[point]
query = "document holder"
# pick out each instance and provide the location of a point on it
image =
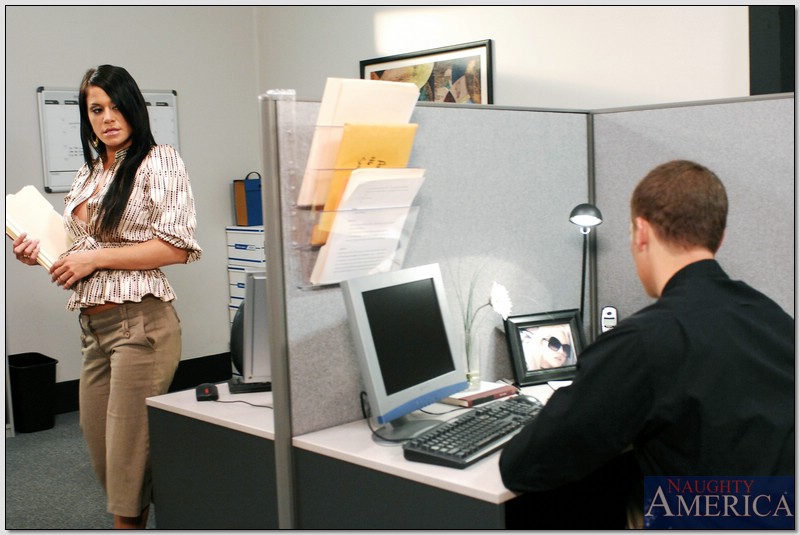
(360, 242)
(312, 190)
(298, 130)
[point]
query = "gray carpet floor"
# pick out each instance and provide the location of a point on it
(50, 483)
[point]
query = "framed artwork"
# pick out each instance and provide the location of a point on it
(544, 346)
(460, 74)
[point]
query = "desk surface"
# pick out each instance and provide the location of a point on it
(353, 442)
(234, 411)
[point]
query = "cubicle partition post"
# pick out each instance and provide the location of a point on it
(594, 311)
(276, 306)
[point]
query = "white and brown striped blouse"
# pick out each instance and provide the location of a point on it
(161, 206)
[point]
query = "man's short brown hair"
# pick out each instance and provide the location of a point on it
(685, 202)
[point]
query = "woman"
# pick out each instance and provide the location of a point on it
(548, 347)
(130, 210)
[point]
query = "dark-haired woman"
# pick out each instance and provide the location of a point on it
(130, 211)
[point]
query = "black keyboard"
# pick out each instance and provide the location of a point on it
(237, 386)
(465, 439)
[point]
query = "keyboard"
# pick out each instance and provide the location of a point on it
(237, 386)
(465, 439)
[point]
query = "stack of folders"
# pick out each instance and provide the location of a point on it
(27, 211)
(357, 180)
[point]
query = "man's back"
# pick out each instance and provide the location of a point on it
(722, 371)
(700, 383)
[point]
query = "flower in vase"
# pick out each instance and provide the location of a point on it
(500, 302)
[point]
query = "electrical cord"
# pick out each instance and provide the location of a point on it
(242, 401)
(366, 412)
(454, 409)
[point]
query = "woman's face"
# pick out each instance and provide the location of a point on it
(107, 121)
(555, 347)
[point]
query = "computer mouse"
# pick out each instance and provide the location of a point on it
(207, 392)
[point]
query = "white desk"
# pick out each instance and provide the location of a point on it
(213, 463)
(242, 417)
(214, 468)
(347, 480)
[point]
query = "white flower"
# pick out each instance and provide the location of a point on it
(500, 301)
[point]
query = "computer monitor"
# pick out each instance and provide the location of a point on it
(406, 346)
(249, 350)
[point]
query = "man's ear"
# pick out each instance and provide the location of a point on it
(641, 233)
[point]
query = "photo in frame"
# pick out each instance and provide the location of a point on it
(544, 346)
(459, 74)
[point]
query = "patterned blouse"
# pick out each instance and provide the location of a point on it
(161, 205)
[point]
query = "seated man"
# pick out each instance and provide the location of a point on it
(700, 383)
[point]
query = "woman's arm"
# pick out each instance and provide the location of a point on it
(151, 254)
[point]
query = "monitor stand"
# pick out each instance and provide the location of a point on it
(237, 386)
(405, 428)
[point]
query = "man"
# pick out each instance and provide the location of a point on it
(700, 383)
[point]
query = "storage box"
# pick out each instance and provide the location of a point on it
(247, 201)
(246, 246)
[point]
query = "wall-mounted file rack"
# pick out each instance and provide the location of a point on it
(370, 230)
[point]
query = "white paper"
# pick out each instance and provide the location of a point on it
(368, 226)
(356, 102)
(381, 188)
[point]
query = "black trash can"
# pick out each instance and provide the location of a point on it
(33, 382)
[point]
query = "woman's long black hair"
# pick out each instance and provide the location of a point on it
(123, 91)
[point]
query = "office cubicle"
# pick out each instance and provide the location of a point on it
(500, 185)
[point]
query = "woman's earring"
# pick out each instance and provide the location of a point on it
(94, 141)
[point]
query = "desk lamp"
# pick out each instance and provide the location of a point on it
(586, 216)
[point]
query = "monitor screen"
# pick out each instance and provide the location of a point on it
(406, 346)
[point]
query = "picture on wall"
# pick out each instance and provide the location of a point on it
(544, 346)
(460, 74)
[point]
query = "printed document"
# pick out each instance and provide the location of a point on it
(367, 232)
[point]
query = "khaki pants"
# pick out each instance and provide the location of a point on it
(130, 352)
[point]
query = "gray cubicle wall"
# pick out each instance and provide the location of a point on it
(749, 143)
(500, 184)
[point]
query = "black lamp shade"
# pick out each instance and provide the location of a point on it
(586, 216)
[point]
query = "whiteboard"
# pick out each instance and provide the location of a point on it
(59, 126)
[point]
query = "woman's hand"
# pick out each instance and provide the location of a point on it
(151, 254)
(26, 250)
(73, 267)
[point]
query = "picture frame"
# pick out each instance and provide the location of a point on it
(459, 74)
(536, 343)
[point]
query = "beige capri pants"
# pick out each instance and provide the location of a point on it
(130, 352)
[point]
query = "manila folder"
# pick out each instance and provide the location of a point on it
(29, 212)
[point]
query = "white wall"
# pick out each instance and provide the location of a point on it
(552, 57)
(207, 55)
(219, 59)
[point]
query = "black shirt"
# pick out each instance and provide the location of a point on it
(700, 383)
